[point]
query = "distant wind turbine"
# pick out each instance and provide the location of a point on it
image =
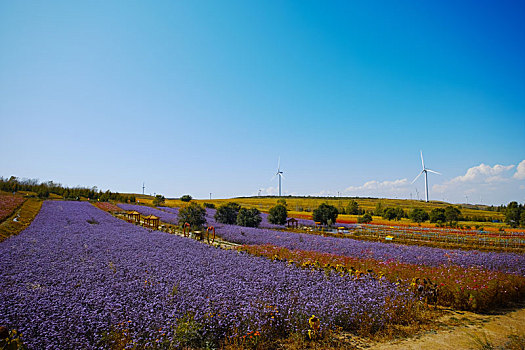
(279, 173)
(425, 170)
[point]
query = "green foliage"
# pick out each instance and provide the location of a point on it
(379, 209)
(44, 189)
(352, 208)
(188, 333)
(193, 214)
(278, 215)
(393, 213)
(186, 198)
(365, 219)
(158, 200)
(227, 213)
(282, 202)
(325, 214)
(452, 214)
(514, 215)
(419, 215)
(438, 215)
(209, 205)
(249, 217)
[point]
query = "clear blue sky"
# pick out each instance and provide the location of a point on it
(204, 96)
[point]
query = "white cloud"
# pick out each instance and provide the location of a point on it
(484, 184)
(520, 171)
(483, 173)
(383, 185)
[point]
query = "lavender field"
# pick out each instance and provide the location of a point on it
(78, 277)
(429, 256)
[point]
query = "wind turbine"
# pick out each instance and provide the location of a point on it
(279, 173)
(425, 170)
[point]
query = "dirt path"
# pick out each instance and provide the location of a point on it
(466, 330)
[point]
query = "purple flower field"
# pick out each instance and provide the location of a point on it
(76, 272)
(144, 210)
(505, 262)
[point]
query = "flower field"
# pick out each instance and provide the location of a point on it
(80, 278)
(419, 255)
(462, 288)
(144, 210)
(8, 203)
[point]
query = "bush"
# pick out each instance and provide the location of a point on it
(186, 198)
(325, 214)
(227, 213)
(209, 205)
(249, 217)
(352, 208)
(419, 215)
(158, 200)
(278, 215)
(438, 215)
(193, 214)
(365, 219)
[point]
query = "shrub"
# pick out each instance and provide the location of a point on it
(278, 215)
(365, 219)
(186, 198)
(419, 215)
(193, 214)
(325, 214)
(209, 205)
(158, 200)
(227, 213)
(249, 217)
(438, 215)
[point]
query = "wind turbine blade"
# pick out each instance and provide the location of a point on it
(435, 172)
(282, 175)
(279, 164)
(422, 171)
(422, 161)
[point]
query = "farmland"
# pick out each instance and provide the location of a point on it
(94, 281)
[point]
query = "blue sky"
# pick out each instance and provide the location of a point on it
(204, 96)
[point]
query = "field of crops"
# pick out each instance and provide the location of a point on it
(8, 203)
(80, 278)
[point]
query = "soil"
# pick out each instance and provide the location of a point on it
(466, 330)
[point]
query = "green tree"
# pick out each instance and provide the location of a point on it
(452, 214)
(389, 214)
(159, 200)
(282, 202)
(379, 209)
(513, 214)
(437, 215)
(249, 217)
(227, 213)
(278, 215)
(419, 215)
(365, 219)
(186, 198)
(325, 214)
(193, 214)
(352, 208)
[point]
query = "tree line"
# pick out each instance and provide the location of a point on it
(45, 189)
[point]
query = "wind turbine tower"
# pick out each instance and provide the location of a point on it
(143, 187)
(279, 173)
(425, 170)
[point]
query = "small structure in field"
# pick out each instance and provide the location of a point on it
(292, 222)
(151, 221)
(134, 216)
